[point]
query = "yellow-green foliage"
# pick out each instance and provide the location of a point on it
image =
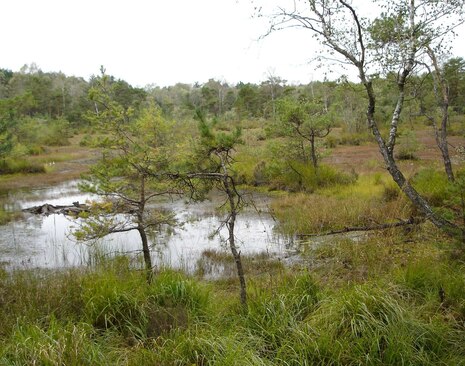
(432, 184)
(110, 315)
(431, 280)
(56, 344)
(12, 166)
(358, 204)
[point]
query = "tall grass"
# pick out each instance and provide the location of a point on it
(303, 214)
(437, 285)
(56, 344)
(18, 165)
(273, 316)
(370, 326)
(392, 315)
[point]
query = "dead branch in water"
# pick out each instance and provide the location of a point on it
(390, 225)
(47, 209)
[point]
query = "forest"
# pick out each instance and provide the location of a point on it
(365, 180)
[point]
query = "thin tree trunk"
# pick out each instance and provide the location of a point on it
(441, 133)
(146, 252)
(237, 258)
(441, 140)
(313, 151)
(387, 149)
(418, 201)
(142, 233)
(233, 201)
(322, 27)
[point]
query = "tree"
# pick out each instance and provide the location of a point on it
(212, 164)
(213, 96)
(395, 41)
(348, 106)
(441, 90)
(248, 102)
(129, 175)
(454, 73)
(6, 139)
(306, 121)
(274, 84)
(5, 76)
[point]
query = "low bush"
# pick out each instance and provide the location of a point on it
(354, 139)
(406, 155)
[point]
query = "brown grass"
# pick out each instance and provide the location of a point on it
(367, 158)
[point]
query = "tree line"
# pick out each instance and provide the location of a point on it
(31, 92)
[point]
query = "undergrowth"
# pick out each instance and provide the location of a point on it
(398, 312)
(358, 204)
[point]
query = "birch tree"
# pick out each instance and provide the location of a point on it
(394, 41)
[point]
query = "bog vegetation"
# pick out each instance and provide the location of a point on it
(383, 283)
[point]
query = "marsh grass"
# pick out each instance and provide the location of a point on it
(432, 184)
(369, 325)
(391, 297)
(13, 166)
(436, 285)
(110, 315)
(56, 344)
(307, 214)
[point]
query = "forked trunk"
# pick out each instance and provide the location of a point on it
(417, 200)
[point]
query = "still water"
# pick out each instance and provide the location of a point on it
(47, 241)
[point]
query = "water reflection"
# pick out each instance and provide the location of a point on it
(46, 241)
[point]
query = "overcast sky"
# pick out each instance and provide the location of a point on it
(157, 42)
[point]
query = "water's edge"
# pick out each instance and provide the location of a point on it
(47, 241)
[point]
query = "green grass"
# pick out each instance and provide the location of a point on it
(13, 166)
(394, 297)
(110, 315)
(337, 207)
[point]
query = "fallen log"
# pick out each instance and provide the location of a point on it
(47, 209)
(390, 225)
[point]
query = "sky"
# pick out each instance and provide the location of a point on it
(154, 42)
